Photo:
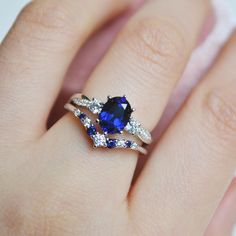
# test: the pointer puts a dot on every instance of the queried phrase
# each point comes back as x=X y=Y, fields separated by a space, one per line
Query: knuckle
x=222 y=114
x=52 y=16
x=159 y=45
x=16 y=219
x=45 y=23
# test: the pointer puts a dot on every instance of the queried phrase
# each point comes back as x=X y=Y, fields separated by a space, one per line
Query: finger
x=224 y=219
x=36 y=53
x=86 y=60
x=195 y=160
x=144 y=63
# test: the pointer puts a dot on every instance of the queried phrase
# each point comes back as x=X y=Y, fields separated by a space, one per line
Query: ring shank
x=71 y=108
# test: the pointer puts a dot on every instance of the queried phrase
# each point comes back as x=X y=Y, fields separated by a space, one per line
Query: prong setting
x=117 y=107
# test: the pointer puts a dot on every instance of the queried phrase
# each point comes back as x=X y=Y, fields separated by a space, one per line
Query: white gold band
x=95 y=106
x=101 y=140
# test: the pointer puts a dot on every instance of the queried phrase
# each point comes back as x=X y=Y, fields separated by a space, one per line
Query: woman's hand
x=53 y=183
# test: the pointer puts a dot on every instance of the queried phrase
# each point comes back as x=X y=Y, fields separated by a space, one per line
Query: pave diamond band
x=114 y=117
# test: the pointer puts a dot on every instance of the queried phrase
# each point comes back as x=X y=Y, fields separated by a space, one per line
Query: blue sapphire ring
x=114 y=117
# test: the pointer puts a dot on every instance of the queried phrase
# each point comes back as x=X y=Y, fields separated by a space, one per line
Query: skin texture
x=224 y=218
x=53 y=183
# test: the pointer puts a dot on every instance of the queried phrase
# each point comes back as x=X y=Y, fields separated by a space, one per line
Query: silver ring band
x=95 y=106
x=101 y=140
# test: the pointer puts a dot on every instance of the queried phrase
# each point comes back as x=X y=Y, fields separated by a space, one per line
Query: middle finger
x=145 y=63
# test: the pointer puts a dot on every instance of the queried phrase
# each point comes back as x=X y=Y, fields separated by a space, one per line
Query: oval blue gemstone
x=115 y=115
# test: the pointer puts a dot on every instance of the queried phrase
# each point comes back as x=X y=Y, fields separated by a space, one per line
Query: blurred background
x=10 y=8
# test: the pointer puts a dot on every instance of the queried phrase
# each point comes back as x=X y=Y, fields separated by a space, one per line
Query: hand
x=53 y=183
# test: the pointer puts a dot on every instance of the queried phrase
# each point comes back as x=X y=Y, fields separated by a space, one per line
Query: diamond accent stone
x=144 y=134
x=121 y=143
x=95 y=106
x=77 y=113
x=81 y=102
x=86 y=122
x=133 y=126
x=99 y=140
x=134 y=146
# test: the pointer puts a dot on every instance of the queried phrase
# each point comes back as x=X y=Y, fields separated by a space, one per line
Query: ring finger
x=145 y=63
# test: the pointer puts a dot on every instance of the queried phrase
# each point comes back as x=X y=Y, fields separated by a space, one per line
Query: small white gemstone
x=77 y=113
x=86 y=122
x=144 y=134
x=81 y=102
x=99 y=140
x=129 y=128
x=95 y=106
x=133 y=126
x=76 y=100
x=134 y=146
x=121 y=143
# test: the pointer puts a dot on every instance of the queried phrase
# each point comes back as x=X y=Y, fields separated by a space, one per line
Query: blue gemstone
x=91 y=130
x=111 y=143
x=115 y=115
x=128 y=144
x=82 y=116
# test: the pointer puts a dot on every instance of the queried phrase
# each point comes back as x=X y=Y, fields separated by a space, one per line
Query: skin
x=53 y=183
